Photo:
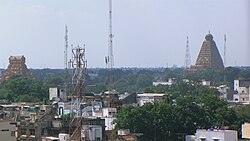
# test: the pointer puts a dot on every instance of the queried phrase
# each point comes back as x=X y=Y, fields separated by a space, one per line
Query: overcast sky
x=147 y=33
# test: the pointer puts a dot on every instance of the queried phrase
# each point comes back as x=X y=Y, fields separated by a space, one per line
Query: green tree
x=166 y=121
x=23 y=89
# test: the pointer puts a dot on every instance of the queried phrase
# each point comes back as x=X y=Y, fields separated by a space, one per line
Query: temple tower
x=16 y=67
x=209 y=56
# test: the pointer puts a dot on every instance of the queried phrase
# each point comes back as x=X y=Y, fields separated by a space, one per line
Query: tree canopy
x=166 y=121
x=23 y=89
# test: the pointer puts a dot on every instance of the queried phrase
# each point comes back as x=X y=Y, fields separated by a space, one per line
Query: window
x=23 y=131
x=32 y=131
x=202 y=139
x=5 y=130
x=12 y=133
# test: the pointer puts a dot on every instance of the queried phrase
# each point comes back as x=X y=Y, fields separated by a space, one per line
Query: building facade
x=7 y=130
x=216 y=135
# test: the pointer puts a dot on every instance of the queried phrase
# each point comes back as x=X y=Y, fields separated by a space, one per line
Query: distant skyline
x=147 y=33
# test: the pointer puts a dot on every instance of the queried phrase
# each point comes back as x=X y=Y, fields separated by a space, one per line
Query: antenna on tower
x=66 y=48
x=188 y=57
x=109 y=60
x=79 y=66
x=225 y=50
x=66 y=61
x=225 y=56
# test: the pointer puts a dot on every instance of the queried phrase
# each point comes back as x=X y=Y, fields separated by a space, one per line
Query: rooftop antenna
x=188 y=57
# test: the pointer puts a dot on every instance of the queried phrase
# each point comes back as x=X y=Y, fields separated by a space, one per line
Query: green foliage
x=23 y=89
x=137 y=79
x=54 y=82
x=182 y=88
x=26 y=98
x=243 y=113
x=99 y=88
x=166 y=121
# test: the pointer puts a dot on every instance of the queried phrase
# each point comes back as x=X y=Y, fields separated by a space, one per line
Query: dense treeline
x=23 y=89
x=186 y=107
x=136 y=80
x=126 y=80
x=170 y=121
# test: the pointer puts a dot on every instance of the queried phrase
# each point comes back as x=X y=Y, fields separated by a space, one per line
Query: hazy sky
x=147 y=33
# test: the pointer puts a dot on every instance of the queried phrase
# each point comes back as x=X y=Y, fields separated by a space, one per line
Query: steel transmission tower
x=109 y=60
x=187 y=57
x=79 y=65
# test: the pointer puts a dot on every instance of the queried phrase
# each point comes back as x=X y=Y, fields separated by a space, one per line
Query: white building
x=55 y=93
x=94 y=111
x=216 y=135
x=190 y=138
x=148 y=97
x=63 y=137
x=205 y=82
x=170 y=81
x=7 y=130
x=223 y=89
x=246 y=131
x=50 y=139
x=109 y=115
x=92 y=132
x=242 y=86
x=243 y=91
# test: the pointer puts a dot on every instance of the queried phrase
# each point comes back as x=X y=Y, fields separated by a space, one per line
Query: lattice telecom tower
x=188 y=57
x=79 y=65
x=109 y=60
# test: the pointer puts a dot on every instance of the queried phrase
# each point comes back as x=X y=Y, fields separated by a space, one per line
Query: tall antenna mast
x=225 y=50
x=110 y=59
x=66 y=60
x=66 y=48
x=188 y=57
